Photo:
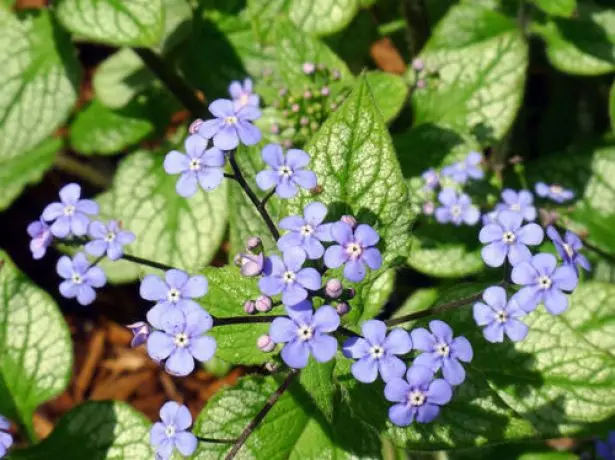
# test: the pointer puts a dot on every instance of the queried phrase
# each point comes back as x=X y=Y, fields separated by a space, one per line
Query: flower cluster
x=6 y=439
x=68 y=222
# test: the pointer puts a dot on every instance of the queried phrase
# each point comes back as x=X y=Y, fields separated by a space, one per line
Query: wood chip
x=96 y=348
x=121 y=388
x=170 y=389
x=150 y=405
x=116 y=334
x=42 y=425
x=387 y=57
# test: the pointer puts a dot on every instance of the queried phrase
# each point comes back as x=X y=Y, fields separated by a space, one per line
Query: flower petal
x=64 y=267
x=222 y=108
x=461 y=349
x=490 y=233
x=294 y=258
x=355 y=348
x=555 y=301
x=153 y=288
x=531 y=234
x=186 y=185
x=518 y=253
x=323 y=347
x=180 y=363
x=374 y=331
x=315 y=213
x=427 y=413
x=419 y=376
x=524 y=274
x=160 y=345
x=305 y=179
x=354 y=270
x=366 y=236
x=69 y=194
x=267 y=179
x=401 y=414
x=176 y=162
x=52 y=211
x=209 y=128
x=248 y=133
x=373 y=258
x=516 y=330
x=325 y=319
x=365 y=369
x=282 y=330
x=297 y=159
x=494 y=253
x=186 y=443
x=453 y=371
x=398 y=342
x=296 y=354
x=194 y=287
x=422 y=339
x=391 y=367
x=293 y=294
x=271 y=285
x=441 y=330
x=544 y=263
x=210 y=178
x=335 y=256
x=565 y=278
x=226 y=138
x=273 y=155
x=439 y=392
x=396 y=390
x=203 y=348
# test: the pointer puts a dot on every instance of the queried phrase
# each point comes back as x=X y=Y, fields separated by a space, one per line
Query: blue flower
x=568 y=249
x=243 y=95
x=554 y=192
x=376 y=352
x=108 y=239
x=606 y=449
x=306 y=232
x=80 y=278
x=500 y=317
x=172 y=433
x=41 y=238
x=431 y=178
x=441 y=350
x=521 y=202
x=466 y=169
x=140 y=332
x=285 y=275
x=355 y=249
x=69 y=215
x=231 y=125
x=456 y=209
x=508 y=238
x=6 y=439
x=543 y=282
x=287 y=172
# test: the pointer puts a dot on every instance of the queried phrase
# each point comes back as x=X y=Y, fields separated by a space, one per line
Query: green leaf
x=264 y=14
x=96 y=430
x=36 y=347
x=38 y=88
x=25 y=169
x=372 y=296
x=612 y=106
x=421 y=299
x=129 y=22
x=481 y=58
x=563 y=8
x=184 y=233
x=584 y=45
x=317 y=380
x=390 y=93
x=322 y=17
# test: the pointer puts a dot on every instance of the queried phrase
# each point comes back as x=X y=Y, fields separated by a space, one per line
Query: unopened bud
x=428 y=208
x=275 y=128
x=336 y=74
x=333 y=106
x=287 y=143
x=421 y=84
x=265 y=343
x=314 y=126
x=254 y=244
x=271 y=366
x=304 y=121
x=321 y=67
x=263 y=303
x=342 y=308
x=418 y=64
x=307 y=95
x=140 y=331
x=324 y=91
x=194 y=126
x=350 y=220
x=250 y=264
x=334 y=288
x=285 y=113
x=282 y=92
x=295 y=108
x=308 y=68
x=350 y=293
x=249 y=307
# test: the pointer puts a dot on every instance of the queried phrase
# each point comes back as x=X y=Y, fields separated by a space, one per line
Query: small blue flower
x=554 y=192
x=140 y=332
x=231 y=125
x=285 y=275
x=243 y=95
x=466 y=169
x=456 y=209
x=500 y=317
x=287 y=172
x=6 y=439
x=606 y=449
x=306 y=232
x=41 y=236
x=376 y=352
x=108 y=239
x=172 y=433
x=441 y=350
x=568 y=249
x=355 y=250
x=521 y=202
x=69 y=215
x=431 y=178
x=80 y=278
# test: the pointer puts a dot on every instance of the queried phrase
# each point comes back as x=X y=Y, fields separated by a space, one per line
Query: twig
x=216 y=441
x=245 y=434
x=149 y=263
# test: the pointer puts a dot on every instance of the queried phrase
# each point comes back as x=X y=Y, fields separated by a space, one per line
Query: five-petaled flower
x=456 y=209
x=108 y=239
x=568 y=248
x=285 y=275
x=441 y=350
x=172 y=432
x=176 y=291
x=469 y=168
x=306 y=232
x=507 y=237
x=543 y=282
x=431 y=179
x=287 y=171
x=376 y=352
x=181 y=339
x=499 y=316
x=521 y=202
x=355 y=249
x=554 y=192
x=418 y=396
x=305 y=333
x=41 y=238
x=199 y=166
x=6 y=440
x=79 y=278
x=69 y=215
x=231 y=125
x=243 y=95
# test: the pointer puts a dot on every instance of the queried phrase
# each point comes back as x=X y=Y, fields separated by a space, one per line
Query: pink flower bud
x=248 y=307
x=334 y=288
x=342 y=308
x=325 y=91
x=194 y=126
x=350 y=220
x=263 y=303
x=254 y=243
x=428 y=208
x=265 y=343
x=418 y=64
x=308 y=68
x=140 y=331
x=295 y=108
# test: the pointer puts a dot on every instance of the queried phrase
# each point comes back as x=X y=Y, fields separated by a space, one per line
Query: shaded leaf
x=322 y=17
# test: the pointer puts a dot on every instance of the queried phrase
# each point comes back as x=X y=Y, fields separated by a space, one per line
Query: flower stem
x=149 y=263
x=244 y=320
x=260 y=205
x=216 y=441
x=245 y=434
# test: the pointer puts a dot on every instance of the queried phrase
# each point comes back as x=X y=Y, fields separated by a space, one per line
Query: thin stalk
x=216 y=441
x=244 y=320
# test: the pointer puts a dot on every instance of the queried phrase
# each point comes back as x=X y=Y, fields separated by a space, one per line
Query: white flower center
x=354 y=250
x=376 y=351
x=568 y=249
x=416 y=398
x=182 y=340
x=544 y=282
x=289 y=277
x=195 y=164
x=69 y=210
x=306 y=230
x=442 y=349
x=305 y=333
x=501 y=317
x=173 y=295
x=77 y=279
x=515 y=207
x=109 y=237
x=509 y=237
x=285 y=171
x=556 y=189
x=456 y=210
x=230 y=120
x=169 y=431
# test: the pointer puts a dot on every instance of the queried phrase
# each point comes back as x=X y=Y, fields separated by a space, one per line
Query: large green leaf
x=101 y=430
x=264 y=14
x=184 y=233
x=129 y=22
x=390 y=92
x=35 y=346
x=612 y=106
x=584 y=45
x=481 y=58
x=38 y=87
x=563 y=8
x=322 y=17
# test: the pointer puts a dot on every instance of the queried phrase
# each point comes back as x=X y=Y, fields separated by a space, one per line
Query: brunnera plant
x=324 y=209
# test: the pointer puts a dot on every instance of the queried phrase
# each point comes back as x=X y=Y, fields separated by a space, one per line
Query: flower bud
x=304 y=121
x=140 y=331
x=275 y=128
x=265 y=343
x=314 y=126
x=350 y=220
x=336 y=74
x=271 y=366
x=324 y=91
x=283 y=91
x=308 y=68
x=342 y=308
x=428 y=208
x=287 y=143
x=194 y=126
x=334 y=288
x=254 y=244
x=263 y=303
x=250 y=264
x=350 y=293
x=418 y=64
x=249 y=307
x=307 y=94
x=421 y=84
x=295 y=108
x=267 y=72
